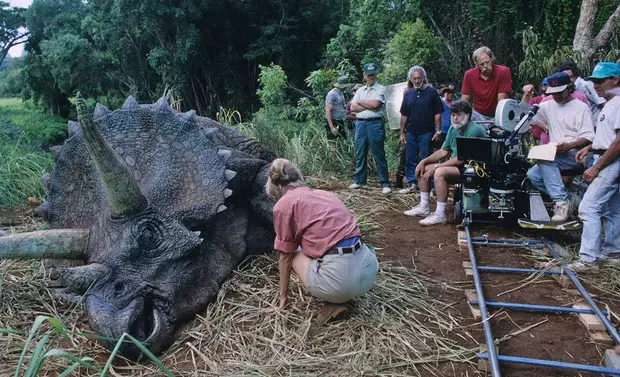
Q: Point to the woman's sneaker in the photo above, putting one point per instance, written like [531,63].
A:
[434,219]
[418,211]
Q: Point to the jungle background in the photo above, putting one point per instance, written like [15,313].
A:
[263,66]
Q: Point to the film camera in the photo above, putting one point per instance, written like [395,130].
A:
[495,187]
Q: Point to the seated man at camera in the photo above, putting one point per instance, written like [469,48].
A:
[444,173]
[570,126]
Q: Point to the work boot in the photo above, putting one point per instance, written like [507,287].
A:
[560,212]
[332,312]
[580,266]
[418,211]
[433,219]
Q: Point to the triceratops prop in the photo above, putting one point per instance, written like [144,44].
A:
[162,206]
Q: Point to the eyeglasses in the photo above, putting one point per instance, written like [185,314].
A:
[487,63]
[371,74]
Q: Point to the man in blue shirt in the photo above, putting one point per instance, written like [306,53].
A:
[420,122]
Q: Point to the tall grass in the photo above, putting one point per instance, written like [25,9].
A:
[20,174]
[25,135]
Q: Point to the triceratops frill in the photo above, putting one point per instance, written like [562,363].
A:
[161,205]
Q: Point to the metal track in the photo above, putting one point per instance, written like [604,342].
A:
[491,354]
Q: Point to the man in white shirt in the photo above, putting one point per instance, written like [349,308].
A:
[570,126]
[602,199]
[595,101]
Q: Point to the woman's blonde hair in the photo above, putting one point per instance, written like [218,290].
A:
[282,174]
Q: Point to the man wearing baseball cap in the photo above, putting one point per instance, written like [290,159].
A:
[335,109]
[570,127]
[602,199]
[369,106]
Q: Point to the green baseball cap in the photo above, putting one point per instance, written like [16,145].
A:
[604,70]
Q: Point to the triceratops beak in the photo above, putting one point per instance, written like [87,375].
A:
[46,244]
[123,192]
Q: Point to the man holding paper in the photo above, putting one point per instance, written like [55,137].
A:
[602,199]
[571,128]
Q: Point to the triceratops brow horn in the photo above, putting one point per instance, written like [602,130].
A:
[46,244]
[123,192]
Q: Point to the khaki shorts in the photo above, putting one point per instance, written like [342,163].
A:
[338,278]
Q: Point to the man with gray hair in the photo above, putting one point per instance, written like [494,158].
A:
[488,83]
[420,122]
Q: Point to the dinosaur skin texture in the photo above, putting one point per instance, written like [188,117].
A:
[166,205]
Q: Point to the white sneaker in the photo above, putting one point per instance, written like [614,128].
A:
[354,186]
[412,187]
[418,211]
[386,190]
[433,219]
[581,266]
[560,212]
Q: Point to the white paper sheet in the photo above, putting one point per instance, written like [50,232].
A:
[544,152]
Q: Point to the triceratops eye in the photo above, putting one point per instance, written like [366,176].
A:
[149,236]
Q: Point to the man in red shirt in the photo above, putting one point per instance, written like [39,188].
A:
[488,83]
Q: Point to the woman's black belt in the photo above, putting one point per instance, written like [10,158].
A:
[368,119]
[344,250]
[599,152]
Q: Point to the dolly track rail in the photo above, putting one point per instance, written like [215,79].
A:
[491,354]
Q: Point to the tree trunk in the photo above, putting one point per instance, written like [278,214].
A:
[583,40]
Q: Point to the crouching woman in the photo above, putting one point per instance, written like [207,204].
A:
[318,237]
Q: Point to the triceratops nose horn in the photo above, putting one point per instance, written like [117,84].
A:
[46,244]
[123,192]
[80,279]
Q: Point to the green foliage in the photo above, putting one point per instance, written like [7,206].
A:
[36,130]
[414,44]
[538,63]
[12,80]
[11,19]
[272,81]
[25,135]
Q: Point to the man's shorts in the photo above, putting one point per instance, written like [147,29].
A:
[337,278]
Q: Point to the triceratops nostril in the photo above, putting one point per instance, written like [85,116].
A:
[119,288]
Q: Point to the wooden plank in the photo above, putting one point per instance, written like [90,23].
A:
[462,240]
[591,321]
[601,338]
[469,273]
[470,294]
[484,365]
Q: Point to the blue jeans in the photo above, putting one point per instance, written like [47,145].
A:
[370,134]
[545,175]
[418,147]
[601,202]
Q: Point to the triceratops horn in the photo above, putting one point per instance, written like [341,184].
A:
[101,111]
[130,104]
[46,244]
[162,104]
[79,279]
[124,194]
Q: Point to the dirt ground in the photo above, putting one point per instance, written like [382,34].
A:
[435,251]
